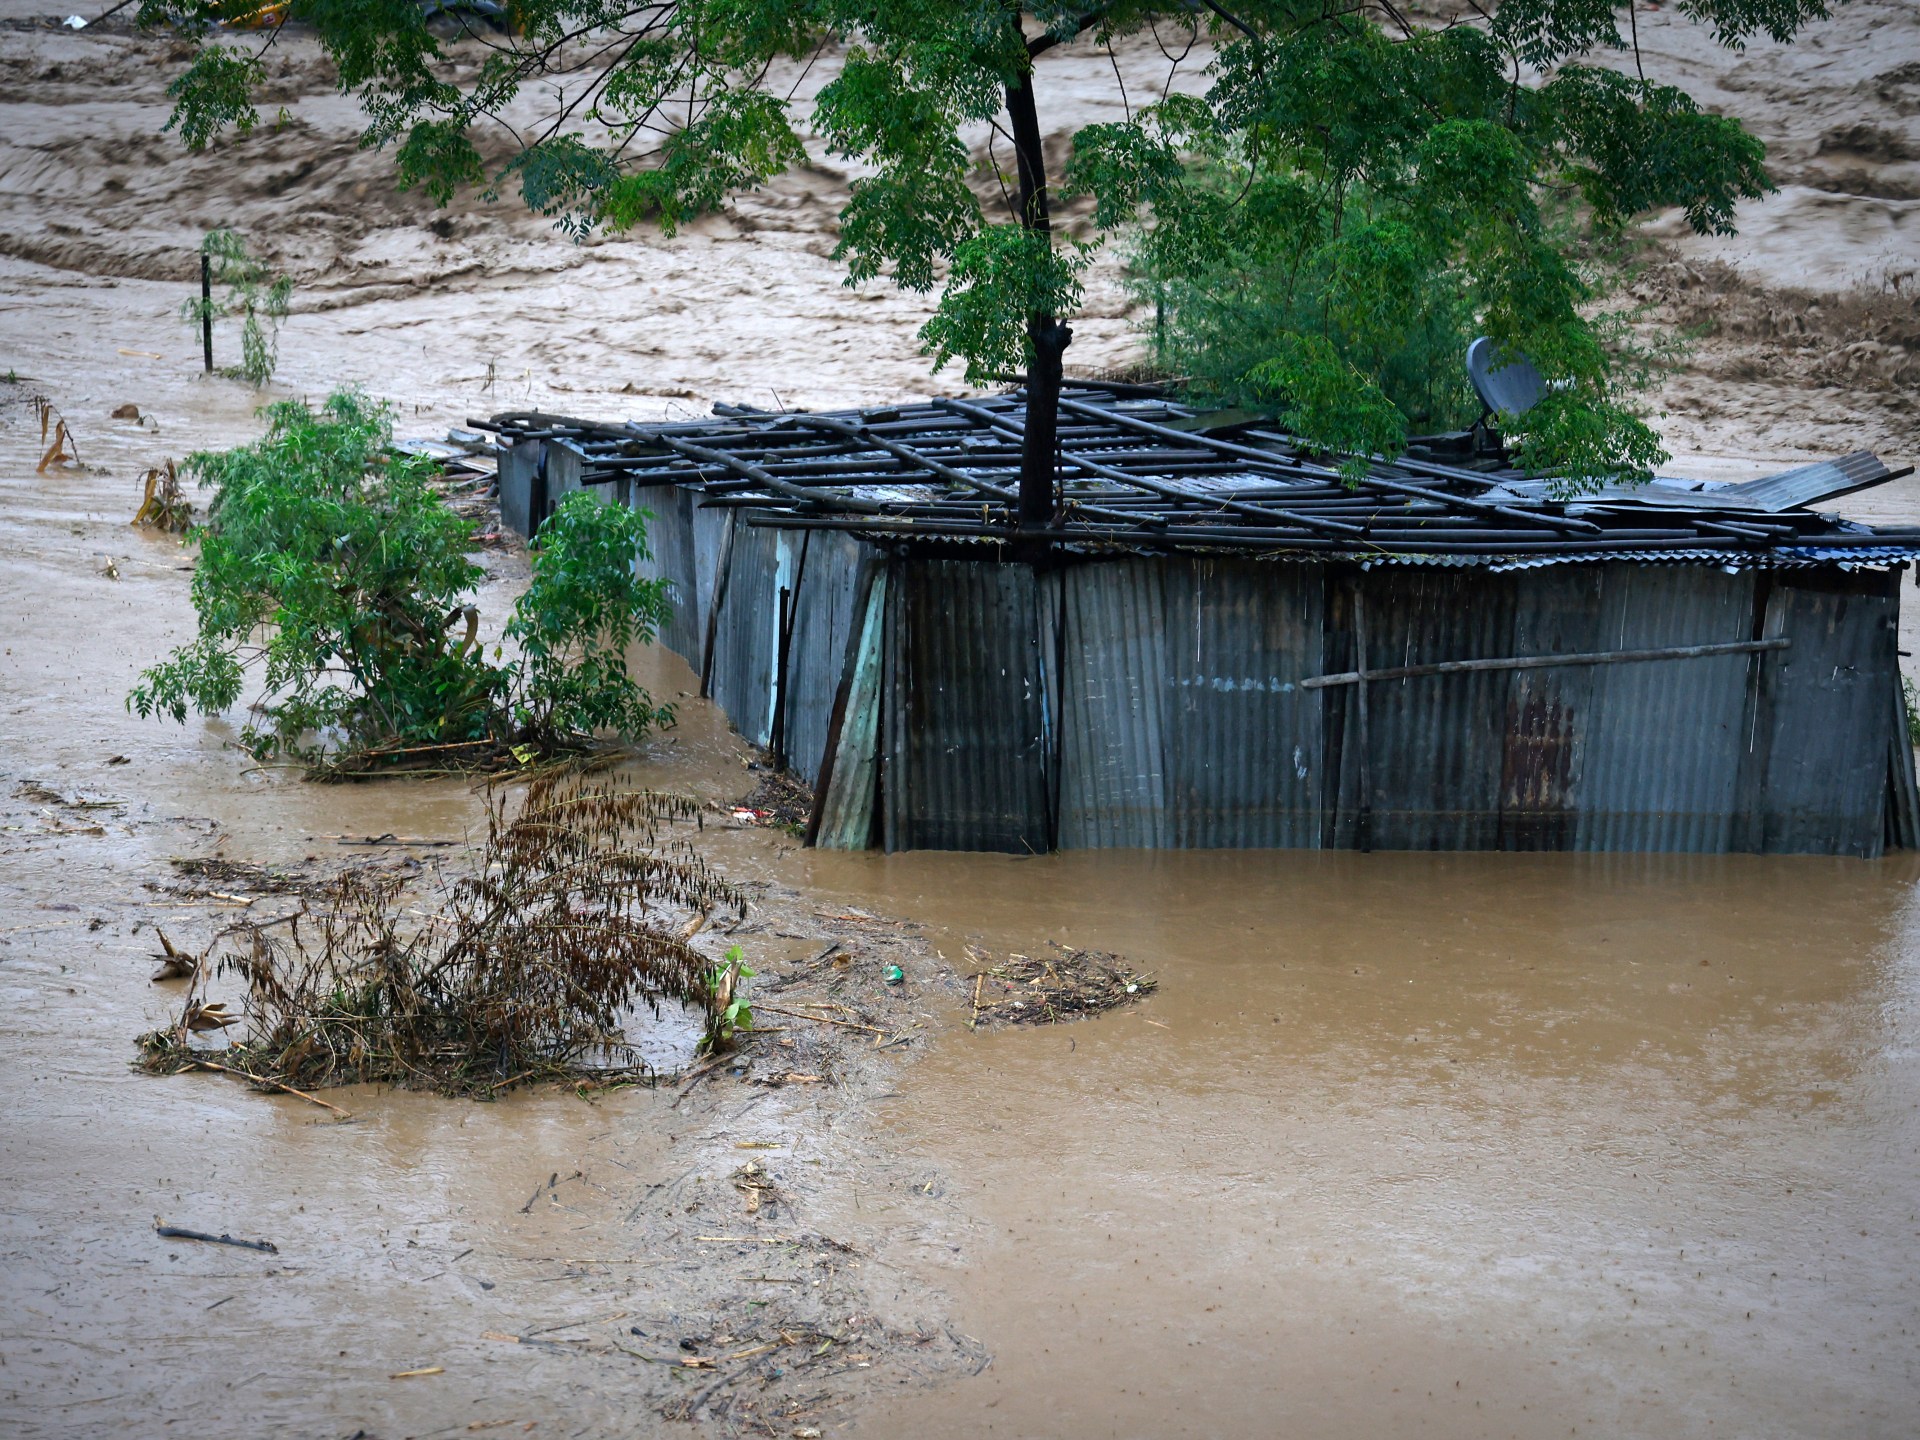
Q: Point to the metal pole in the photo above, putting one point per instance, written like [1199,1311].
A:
[1363,826]
[1540,662]
[206,309]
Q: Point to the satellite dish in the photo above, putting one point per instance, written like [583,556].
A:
[1505,389]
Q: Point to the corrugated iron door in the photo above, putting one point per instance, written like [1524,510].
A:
[1436,759]
[1824,721]
[819,632]
[1660,754]
[1242,741]
[1555,612]
[967,763]
[746,633]
[1113,781]
[670,558]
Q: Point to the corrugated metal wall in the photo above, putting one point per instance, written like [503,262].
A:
[1822,726]
[1243,743]
[1114,698]
[1436,744]
[522,490]
[670,541]
[967,766]
[741,669]
[1555,612]
[819,634]
[1661,744]
[1157,702]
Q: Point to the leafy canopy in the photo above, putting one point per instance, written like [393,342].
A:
[1385,167]
[331,566]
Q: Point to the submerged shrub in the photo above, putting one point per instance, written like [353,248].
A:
[529,966]
[330,566]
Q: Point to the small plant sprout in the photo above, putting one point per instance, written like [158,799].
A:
[730,1014]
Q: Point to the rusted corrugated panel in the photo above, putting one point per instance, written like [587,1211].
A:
[1556,612]
[670,558]
[967,768]
[1436,748]
[743,640]
[1828,722]
[1242,742]
[1659,755]
[1114,694]
[821,630]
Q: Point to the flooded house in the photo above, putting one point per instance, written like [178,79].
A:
[1231,642]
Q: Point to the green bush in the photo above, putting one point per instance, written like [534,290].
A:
[330,564]
[1222,330]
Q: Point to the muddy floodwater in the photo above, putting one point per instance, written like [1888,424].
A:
[1440,1145]
[1449,1145]
[1452,1146]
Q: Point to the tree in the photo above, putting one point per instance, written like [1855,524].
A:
[1380,160]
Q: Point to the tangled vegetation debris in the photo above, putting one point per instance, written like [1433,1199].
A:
[1068,985]
[781,799]
[527,968]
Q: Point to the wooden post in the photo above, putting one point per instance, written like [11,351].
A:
[206,309]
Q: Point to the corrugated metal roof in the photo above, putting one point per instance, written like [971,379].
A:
[1810,484]
[1146,475]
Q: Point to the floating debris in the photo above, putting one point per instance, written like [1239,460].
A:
[1045,990]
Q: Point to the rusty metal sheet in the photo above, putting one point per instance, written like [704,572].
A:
[1556,612]
[1436,749]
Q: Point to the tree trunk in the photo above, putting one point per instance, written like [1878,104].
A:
[1050,335]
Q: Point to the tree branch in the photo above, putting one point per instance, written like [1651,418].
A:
[1040,44]
[1232,19]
